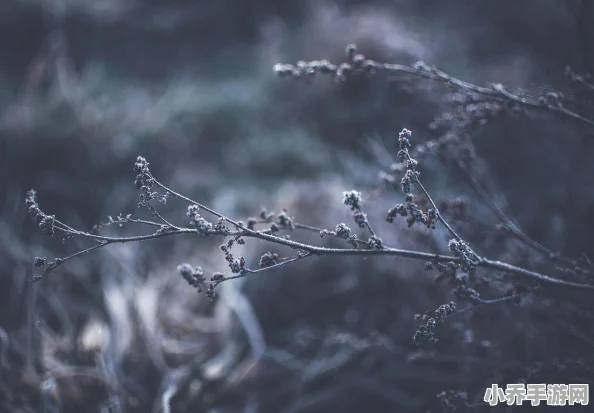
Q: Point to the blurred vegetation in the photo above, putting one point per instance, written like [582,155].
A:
[86,86]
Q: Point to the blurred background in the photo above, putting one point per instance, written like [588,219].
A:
[87,86]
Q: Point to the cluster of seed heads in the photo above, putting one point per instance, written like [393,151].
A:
[203,227]
[356,64]
[432,319]
[43,221]
[342,231]
[143,177]
[268,260]
[353,199]
[462,250]
[449,270]
[237,265]
[276,221]
[375,242]
[411,210]
[145,182]
[196,278]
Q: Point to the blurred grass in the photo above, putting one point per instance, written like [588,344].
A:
[88,87]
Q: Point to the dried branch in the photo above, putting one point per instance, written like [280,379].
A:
[241,231]
[358,64]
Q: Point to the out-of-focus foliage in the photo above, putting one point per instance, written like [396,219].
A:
[86,86]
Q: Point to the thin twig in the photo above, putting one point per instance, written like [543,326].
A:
[190,201]
[247,272]
[482,302]
[494,90]
[511,227]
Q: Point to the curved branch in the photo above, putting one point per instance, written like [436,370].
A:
[358,64]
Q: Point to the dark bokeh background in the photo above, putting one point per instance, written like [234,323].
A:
[86,86]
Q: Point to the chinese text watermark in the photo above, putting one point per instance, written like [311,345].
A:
[535,394]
